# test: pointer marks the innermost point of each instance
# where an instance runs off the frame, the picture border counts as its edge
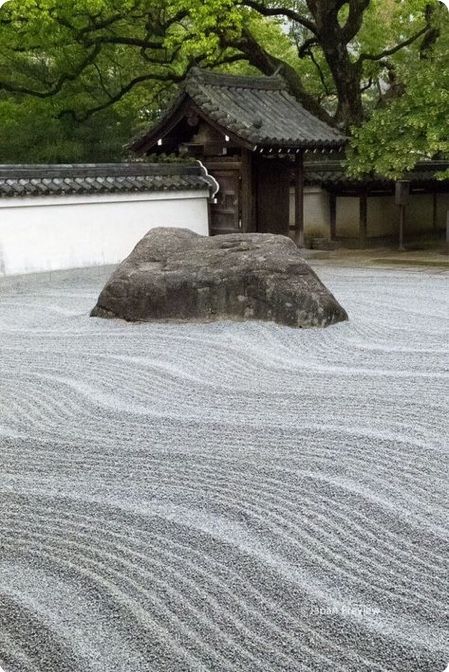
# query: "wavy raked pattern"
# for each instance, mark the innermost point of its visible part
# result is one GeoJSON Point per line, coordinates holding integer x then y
{"type": "Point", "coordinates": [225, 497]}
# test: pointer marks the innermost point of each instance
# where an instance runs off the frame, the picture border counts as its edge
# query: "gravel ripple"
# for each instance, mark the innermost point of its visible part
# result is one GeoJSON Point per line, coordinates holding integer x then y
{"type": "Point", "coordinates": [225, 496]}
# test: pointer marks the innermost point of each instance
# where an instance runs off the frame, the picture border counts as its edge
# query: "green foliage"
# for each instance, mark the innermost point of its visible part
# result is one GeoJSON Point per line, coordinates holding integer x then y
{"type": "Point", "coordinates": [413, 126]}
{"type": "Point", "coordinates": [62, 60]}
{"type": "Point", "coordinates": [79, 78]}
{"type": "Point", "coordinates": [31, 133]}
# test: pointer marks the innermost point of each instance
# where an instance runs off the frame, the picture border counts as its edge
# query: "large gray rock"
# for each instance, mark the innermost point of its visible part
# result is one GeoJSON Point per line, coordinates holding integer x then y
{"type": "Point", "coordinates": [175, 274]}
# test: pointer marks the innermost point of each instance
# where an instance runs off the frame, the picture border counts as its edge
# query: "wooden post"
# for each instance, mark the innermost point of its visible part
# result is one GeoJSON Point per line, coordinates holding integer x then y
{"type": "Point", "coordinates": [299, 199]}
{"type": "Point", "coordinates": [363, 218]}
{"type": "Point", "coordinates": [447, 233]}
{"type": "Point", "coordinates": [401, 226]}
{"type": "Point", "coordinates": [401, 197]}
{"type": "Point", "coordinates": [247, 192]}
{"type": "Point", "coordinates": [333, 215]}
{"type": "Point", "coordinates": [434, 212]}
{"type": "Point", "coordinates": [209, 217]}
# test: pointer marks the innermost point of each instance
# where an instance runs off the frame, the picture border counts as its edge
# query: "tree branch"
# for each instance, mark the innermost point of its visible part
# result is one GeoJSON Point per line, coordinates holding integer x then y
{"type": "Point", "coordinates": [355, 19]}
{"type": "Point", "coordinates": [305, 48]}
{"type": "Point", "coordinates": [125, 41]}
{"type": "Point", "coordinates": [393, 50]}
{"type": "Point", "coordinates": [56, 88]}
{"type": "Point", "coordinates": [261, 59]}
{"type": "Point", "coordinates": [280, 11]}
{"type": "Point", "coordinates": [320, 72]}
{"type": "Point", "coordinates": [167, 77]}
{"type": "Point", "coordinates": [120, 94]}
{"type": "Point", "coordinates": [367, 86]}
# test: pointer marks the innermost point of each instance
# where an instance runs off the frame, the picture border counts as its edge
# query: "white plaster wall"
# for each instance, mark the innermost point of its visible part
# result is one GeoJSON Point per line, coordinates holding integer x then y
{"type": "Point", "coordinates": [419, 214]}
{"type": "Point", "coordinates": [316, 211]}
{"type": "Point", "coordinates": [51, 233]}
{"type": "Point", "coordinates": [442, 210]}
{"type": "Point", "coordinates": [383, 215]}
{"type": "Point", "coordinates": [347, 217]}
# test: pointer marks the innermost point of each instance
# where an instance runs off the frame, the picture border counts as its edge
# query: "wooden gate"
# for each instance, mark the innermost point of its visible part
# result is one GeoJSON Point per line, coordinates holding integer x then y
{"type": "Point", "coordinates": [273, 196]}
{"type": "Point", "coordinates": [226, 213]}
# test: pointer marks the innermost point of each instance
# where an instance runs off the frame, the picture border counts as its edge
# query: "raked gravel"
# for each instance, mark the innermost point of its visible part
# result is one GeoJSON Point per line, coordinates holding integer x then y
{"type": "Point", "coordinates": [229, 496]}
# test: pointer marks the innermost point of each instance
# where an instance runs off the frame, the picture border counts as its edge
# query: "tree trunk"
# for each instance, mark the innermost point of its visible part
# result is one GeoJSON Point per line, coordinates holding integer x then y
{"type": "Point", "coordinates": [333, 39]}
{"type": "Point", "coordinates": [269, 64]}
{"type": "Point", "coordinates": [346, 75]}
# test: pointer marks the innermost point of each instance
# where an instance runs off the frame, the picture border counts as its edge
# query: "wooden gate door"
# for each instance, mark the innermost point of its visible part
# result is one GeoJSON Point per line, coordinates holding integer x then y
{"type": "Point", "coordinates": [226, 214]}
{"type": "Point", "coordinates": [273, 196]}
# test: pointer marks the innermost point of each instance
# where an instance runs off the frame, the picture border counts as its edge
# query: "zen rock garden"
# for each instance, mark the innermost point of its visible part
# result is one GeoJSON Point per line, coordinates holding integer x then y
{"type": "Point", "coordinates": [175, 274]}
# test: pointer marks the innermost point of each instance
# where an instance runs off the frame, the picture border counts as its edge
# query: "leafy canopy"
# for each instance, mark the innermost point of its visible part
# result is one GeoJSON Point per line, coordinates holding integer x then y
{"type": "Point", "coordinates": [415, 125]}
{"type": "Point", "coordinates": [78, 78]}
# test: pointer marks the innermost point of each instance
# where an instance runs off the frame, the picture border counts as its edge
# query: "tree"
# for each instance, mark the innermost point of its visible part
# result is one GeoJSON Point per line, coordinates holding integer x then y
{"type": "Point", "coordinates": [90, 56]}
{"type": "Point", "coordinates": [32, 132]}
{"type": "Point", "coordinates": [415, 125]}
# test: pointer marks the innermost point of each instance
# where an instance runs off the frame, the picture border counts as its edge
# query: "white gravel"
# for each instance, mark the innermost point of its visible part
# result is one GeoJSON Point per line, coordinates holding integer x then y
{"type": "Point", "coordinates": [225, 497]}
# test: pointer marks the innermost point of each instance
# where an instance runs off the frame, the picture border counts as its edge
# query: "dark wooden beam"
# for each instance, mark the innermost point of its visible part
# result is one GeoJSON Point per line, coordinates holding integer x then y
{"type": "Point", "coordinates": [299, 199]}
{"type": "Point", "coordinates": [248, 223]}
{"type": "Point", "coordinates": [434, 212]}
{"type": "Point", "coordinates": [401, 226]}
{"type": "Point", "coordinates": [167, 123]}
{"type": "Point", "coordinates": [333, 215]}
{"type": "Point", "coordinates": [363, 218]}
